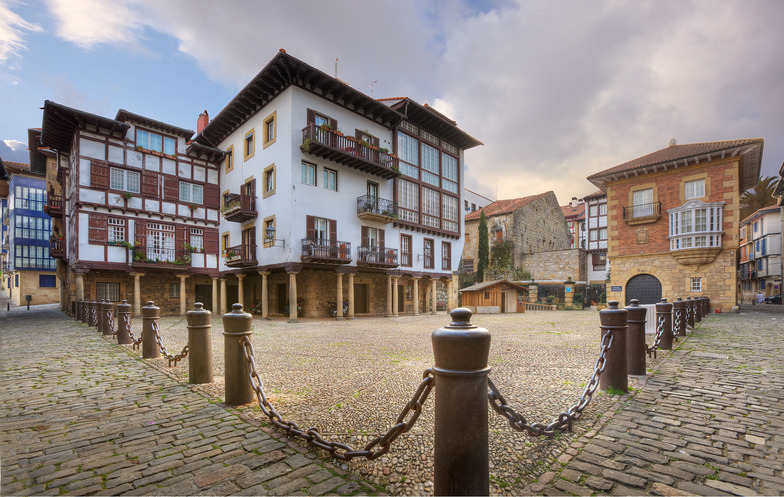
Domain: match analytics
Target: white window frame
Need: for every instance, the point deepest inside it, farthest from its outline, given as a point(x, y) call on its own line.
point(107, 290)
point(116, 230)
point(431, 207)
point(309, 174)
point(330, 179)
point(688, 228)
point(197, 239)
point(122, 179)
point(694, 189)
point(696, 284)
point(191, 193)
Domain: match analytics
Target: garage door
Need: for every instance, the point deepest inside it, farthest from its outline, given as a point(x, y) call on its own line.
point(644, 287)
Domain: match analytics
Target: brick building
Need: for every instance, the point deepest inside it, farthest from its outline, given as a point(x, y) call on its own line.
point(673, 220)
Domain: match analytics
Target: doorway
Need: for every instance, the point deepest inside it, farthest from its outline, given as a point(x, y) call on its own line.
point(360, 298)
point(204, 295)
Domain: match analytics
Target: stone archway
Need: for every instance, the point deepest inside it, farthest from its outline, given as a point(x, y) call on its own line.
point(644, 287)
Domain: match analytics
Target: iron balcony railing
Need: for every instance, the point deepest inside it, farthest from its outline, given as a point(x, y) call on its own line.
point(335, 251)
point(143, 254)
point(322, 141)
point(241, 255)
point(239, 207)
point(638, 211)
point(56, 247)
point(376, 207)
point(375, 255)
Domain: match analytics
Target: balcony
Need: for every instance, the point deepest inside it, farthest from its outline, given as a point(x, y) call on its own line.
point(380, 257)
point(6, 220)
point(376, 209)
point(333, 145)
point(325, 251)
point(56, 247)
point(241, 256)
point(642, 213)
point(54, 205)
point(157, 258)
point(239, 207)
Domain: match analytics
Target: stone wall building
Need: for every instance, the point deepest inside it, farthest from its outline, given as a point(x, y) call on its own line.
point(673, 221)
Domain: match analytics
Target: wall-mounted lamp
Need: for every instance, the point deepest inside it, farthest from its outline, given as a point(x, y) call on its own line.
point(269, 237)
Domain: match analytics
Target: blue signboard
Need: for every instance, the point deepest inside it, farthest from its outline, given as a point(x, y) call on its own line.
point(616, 289)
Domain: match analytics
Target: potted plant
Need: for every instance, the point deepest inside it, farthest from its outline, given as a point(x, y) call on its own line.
point(126, 195)
point(193, 207)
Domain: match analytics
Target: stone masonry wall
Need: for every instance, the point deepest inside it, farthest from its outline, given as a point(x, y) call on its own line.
point(556, 265)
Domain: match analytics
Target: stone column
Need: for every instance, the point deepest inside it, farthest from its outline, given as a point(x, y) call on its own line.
point(568, 293)
point(434, 296)
point(389, 296)
point(264, 295)
point(79, 286)
point(339, 301)
point(223, 306)
point(293, 297)
point(350, 296)
point(240, 289)
point(450, 297)
point(416, 296)
point(395, 303)
point(183, 294)
point(137, 294)
point(214, 295)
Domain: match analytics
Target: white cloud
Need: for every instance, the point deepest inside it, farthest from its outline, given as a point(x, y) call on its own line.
point(12, 30)
point(14, 151)
point(87, 23)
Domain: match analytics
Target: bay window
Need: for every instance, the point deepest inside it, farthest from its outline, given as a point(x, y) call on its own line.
point(696, 224)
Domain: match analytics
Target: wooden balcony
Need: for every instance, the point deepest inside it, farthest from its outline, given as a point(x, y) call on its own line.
point(325, 251)
point(54, 205)
point(379, 257)
point(239, 207)
point(376, 209)
point(56, 247)
point(241, 256)
point(642, 213)
point(329, 144)
point(144, 257)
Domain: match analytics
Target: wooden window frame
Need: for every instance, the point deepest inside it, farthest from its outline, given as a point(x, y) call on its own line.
point(228, 161)
point(425, 264)
point(264, 242)
point(245, 152)
point(272, 118)
point(269, 170)
point(446, 262)
point(404, 253)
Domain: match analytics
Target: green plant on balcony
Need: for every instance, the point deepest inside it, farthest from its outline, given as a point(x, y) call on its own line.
point(126, 195)
point(230, 207)
point(306, 145)
point(139, 148)
point(123, 243)
point(182, 260)
point(193, 207)
point(383, 150)
point(364, 143)
point(325, 127)
point(190, 248)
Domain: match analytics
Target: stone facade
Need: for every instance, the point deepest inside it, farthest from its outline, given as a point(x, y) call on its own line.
point(555, 265)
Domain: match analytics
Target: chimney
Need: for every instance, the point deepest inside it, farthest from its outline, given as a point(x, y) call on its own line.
point(202, 122)
point(574, 202)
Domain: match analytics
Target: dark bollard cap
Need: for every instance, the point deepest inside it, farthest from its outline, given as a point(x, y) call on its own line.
point(613, 315)
point(663, 301)
point(461, 318)
point(237, 322)
point(634, 303)
point(636, 313)
point(199, 316)
point(151, 310)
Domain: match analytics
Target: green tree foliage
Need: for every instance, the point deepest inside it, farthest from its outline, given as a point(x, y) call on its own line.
point(484, 247)
point(758, 197)
point(503, 253)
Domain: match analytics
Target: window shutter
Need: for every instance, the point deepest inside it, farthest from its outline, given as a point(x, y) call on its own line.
point(333, 123)
point(180, 235)
point(211, 196)
point(333, 230)
point(171, 188)
point(98, 229)
point(311, 116)
point(99, 175)
point(381, 239)
point(364, 242)
point(310, 227)
point(149, 184)
point(376, 143)
point(211, 240)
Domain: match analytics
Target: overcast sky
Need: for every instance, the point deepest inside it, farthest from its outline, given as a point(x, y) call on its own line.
point(556, 90)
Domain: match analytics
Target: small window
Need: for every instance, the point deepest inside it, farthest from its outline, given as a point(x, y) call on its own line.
point(409, 293)
point(428, 254)
point(224, 243)
point(191, 193)
point(174, 290)
point(694, 189)
point(229, 161)
point(696, 284)
point(249, 147)
point(121, 179)
point(269, 238)
point(269, 181)
point(116, 230)
point(468, 266)
point(446, 256)
point(599, 260)
point(330, 179)
point(269, 130)
point(47, 281)
point(308, 174)
point(405, 250)
point(107, 291)
point(197, 239)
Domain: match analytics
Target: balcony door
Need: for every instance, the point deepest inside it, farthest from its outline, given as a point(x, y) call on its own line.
point(249, 243)
point(160, 242)
point(372, 193)
point(642, 203)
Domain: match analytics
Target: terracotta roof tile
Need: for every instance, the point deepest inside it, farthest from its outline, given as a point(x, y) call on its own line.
point(500, 207)
point(576, 212)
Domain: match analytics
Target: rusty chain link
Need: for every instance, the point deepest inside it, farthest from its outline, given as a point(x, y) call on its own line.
point(676, 320)
point(688, 313)
point(93, 316)
point(136, 341)
point(565, 419)
point(110, 319)
point(651, 349)
point(338, 450)
point(171, 358)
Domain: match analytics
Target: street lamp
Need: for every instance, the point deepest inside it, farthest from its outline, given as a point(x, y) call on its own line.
point(269, 237)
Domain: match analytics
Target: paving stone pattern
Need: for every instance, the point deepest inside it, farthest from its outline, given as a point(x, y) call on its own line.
point(80, 416)
point(709, 421)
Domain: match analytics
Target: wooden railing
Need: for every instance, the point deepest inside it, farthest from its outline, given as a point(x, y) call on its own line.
point(325, 142)
point(533, 306)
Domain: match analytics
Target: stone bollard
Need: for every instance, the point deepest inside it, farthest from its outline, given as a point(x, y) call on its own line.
point(199, 344)
point(690, 311)
point(613, 321)
point(461, 438)
point(238, 389)
point(635, 339)
point(123, 325)
point(697, 309)
point(150, 314)
point(107, 309)
point(83, 316)
point(92, 317)
point(679, 318)
point(664, 322)
point(100, 316)
point(78, 314)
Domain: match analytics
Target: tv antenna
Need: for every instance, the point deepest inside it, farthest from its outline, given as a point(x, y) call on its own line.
point(371, 87)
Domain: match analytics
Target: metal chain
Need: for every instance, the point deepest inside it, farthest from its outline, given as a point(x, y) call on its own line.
point(136, 341)
point(688, 313)
point(94, 316)
point(565, 419)
point(676, 316)
point(171, 358)
point(659, 332)
point(110, 318)
point(337, 450)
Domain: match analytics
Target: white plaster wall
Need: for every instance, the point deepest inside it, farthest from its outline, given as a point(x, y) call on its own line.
point(84, 172)
point(92, 149)
point(88, 252)
point(117, 254)
point(93, 196)
point(134, 159)
point(116, 155)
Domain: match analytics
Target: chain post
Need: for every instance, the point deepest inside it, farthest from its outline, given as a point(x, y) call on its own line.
point(123, 323)
point(78, 313)
point(83, 317)
point(91, 313)
point(679, 318)
point(100, 316)
point(200, 343)
point(106, 309)
point(150, 314)
point(613, 322)
point(236, 326)
point(690, 308)
point(697, 310)
point(708, 304)
point(635, 338)
point(461, 461)
point(664, 321)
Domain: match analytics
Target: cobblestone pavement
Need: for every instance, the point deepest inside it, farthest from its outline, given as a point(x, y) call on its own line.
point(709, 421)
point(80, 416)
